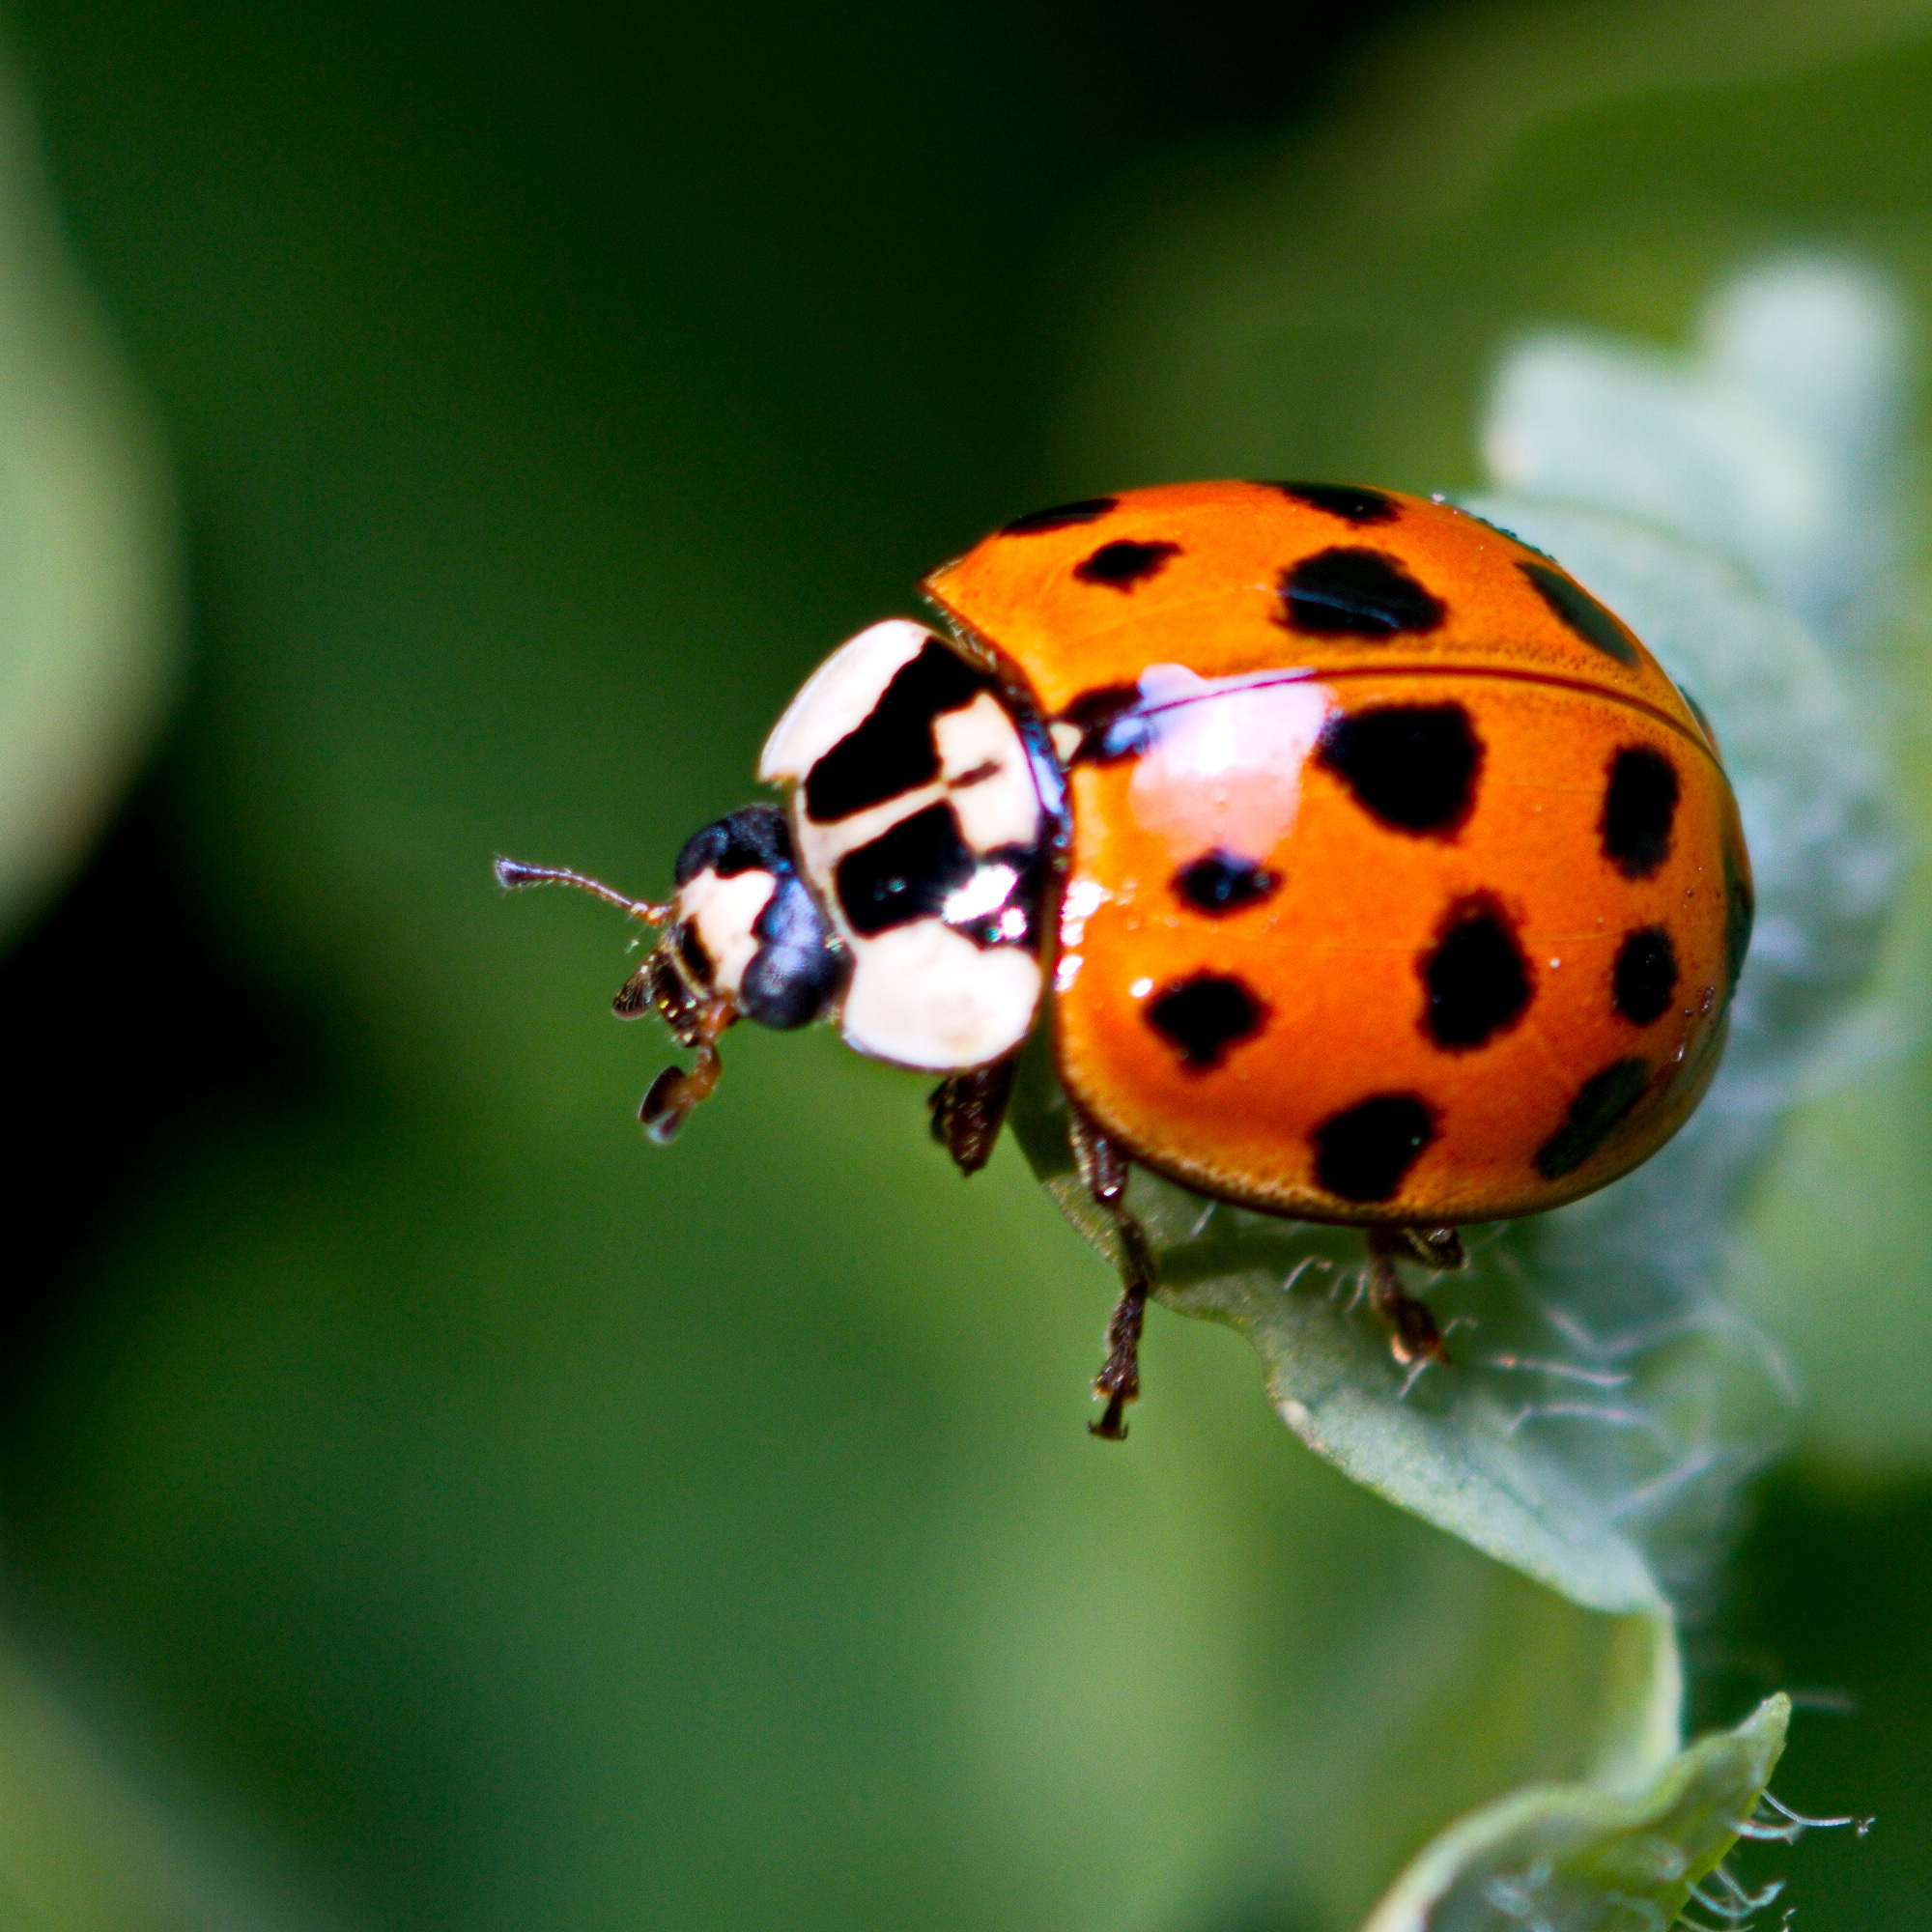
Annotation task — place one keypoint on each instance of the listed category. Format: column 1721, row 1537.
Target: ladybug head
column 743, row 939
column 744, row 927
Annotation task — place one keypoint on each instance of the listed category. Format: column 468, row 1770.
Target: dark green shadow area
column 1827, row 1600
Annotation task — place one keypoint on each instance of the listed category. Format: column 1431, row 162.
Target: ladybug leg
column 1413, row 1335
column 1437, row 1248
column 651, row 986
column 676, row 1090
column 968, row 1111
column 1103, row 1167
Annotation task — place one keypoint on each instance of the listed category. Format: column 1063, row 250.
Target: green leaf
column 1536, row 1692
column 1589, row 1423
column 1584, row 1858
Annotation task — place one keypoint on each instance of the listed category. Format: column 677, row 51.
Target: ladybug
column 1364, row 867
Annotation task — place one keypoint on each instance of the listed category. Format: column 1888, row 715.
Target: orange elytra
column 1365, row 868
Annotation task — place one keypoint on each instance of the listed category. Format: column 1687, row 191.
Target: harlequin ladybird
column 1366, row 867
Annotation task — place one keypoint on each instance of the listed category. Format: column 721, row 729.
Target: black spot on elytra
column 1222, row 882
column 904, row 873
column 1577, row 609
column 1355, row 593
column 892, row 751
column 1061, row 517
column 1123, row 564
column 1363, row 1153
column 1475, row 977
column 1639, row 807
column 1740, row 912
column 1602, row 1105
column 1347, row 501
column 1412, row 766
column 754, row 838
column 1204, row 1016
column 1645, row 975
column 1111, row 723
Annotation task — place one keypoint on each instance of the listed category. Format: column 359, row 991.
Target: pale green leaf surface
column 1458, row 1448
column 1606, row 1402
column 88, row 587
column 1582, row 1859
column 1774, row 442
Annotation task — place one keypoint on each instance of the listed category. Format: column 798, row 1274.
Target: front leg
column 969, row 1109
column 676, row 1090
column 1103, row 1167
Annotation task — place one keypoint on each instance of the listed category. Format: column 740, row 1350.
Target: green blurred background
column 439, row 1509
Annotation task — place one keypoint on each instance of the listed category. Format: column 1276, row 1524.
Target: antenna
column 513, row 876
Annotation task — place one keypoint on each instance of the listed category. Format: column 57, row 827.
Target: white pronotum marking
column 836, row 698
column 983, row 766
column 920, row 994
column 924, row 996
column 723, row 912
